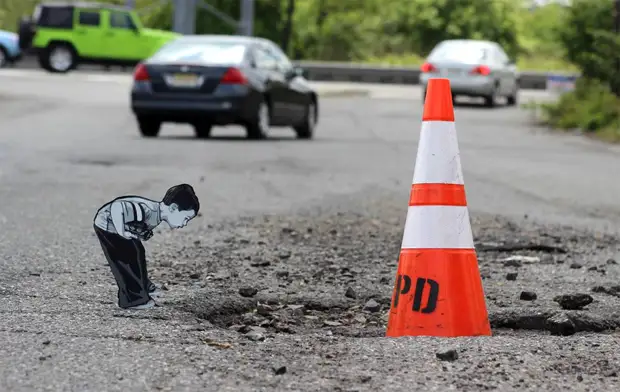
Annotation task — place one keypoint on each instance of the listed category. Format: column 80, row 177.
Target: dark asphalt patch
column 334, row 275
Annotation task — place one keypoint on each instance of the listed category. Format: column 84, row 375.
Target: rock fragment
column 447, row 355
column 372, row 306
column 279, row 370
column 528, row 296
column 511, row 276
column 574, row 301
column 560, row 324
column 248, row 292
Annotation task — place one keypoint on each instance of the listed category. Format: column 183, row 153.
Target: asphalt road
column 335, row 209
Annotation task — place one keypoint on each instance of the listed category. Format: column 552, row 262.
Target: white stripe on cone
column 437, row 227
column 438, row 159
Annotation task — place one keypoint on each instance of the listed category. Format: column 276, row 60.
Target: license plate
column 451, row 72
column 184, row 80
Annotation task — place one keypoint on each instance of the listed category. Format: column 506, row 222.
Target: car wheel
column 4, row 57
column 511, row 100
column 149, row 127
column 306, row 130
column 202, row 130
column 259, row 126
column 58, row 58
column 491, row 100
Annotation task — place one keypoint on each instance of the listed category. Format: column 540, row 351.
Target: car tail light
column 234, row 76
column 481, row 70
column 428, row 68
column 141, row 74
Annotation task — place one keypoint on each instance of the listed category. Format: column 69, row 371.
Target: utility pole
column 184, row 21
column 246, row 24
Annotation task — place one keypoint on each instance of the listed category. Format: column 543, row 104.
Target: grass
column 591, row 109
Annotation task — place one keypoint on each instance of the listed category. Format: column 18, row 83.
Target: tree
column 589, row 41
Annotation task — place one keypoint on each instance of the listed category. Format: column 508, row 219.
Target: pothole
column 270, row 314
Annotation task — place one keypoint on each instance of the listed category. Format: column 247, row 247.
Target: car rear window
column 211, row 53
column 460, row 51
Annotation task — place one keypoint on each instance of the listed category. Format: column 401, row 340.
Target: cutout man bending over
column 122, row 224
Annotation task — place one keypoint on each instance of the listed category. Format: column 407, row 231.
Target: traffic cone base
column 438, row 289
column 440, row 292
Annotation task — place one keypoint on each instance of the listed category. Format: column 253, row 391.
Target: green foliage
column 589, row 42
column 388, row 31
column 591, row 107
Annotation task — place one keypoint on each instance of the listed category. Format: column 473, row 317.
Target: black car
column 208, row 80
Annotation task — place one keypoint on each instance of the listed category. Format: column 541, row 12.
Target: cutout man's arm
column 118, row 219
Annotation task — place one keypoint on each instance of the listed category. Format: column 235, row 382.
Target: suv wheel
column 59, row 58
column 149, row 127
column 257, row 128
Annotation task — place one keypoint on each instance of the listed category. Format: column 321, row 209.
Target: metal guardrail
column 362, row 73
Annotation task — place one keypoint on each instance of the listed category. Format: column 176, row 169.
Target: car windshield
column 460, row 51
column 211, row 52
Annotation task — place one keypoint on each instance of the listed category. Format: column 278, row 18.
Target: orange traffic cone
column 438, row 289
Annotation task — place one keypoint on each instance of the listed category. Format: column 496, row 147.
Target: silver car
column 475, row 69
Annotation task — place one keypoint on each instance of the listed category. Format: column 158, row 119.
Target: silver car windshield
column 211, row 53
column 465, row 52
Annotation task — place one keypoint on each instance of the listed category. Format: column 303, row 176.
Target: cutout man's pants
column 128, row 263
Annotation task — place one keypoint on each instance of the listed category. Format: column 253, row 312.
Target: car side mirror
column 295, row 72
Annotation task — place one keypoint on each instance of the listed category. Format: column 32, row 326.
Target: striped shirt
column 139, row 215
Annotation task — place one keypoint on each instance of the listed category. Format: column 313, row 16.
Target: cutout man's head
column 180, row 205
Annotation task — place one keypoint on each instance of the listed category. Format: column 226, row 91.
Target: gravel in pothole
column 335, row 272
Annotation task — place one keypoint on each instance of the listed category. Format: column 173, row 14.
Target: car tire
column 306, row 130
column 490, row 101
column 25, row 32
column 512, row 100
column 202, row 130
column 4, row 57
column 59, row 65
column 149, row 127
column 258, row 127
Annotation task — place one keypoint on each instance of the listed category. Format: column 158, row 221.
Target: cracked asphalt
column 284, row 280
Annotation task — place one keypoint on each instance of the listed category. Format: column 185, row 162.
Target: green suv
column 63, row 35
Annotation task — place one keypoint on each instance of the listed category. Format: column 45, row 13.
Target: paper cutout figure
column 123, row 223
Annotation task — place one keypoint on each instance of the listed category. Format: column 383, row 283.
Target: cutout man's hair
column 183, row 196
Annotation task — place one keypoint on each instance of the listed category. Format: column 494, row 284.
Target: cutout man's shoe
column 149, row 305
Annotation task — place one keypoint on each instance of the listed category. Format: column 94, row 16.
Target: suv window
column 121, row 20
column 89, row 18
column 54, row 17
